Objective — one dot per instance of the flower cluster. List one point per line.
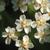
(26, 25)
(43, 5)
(22, 4)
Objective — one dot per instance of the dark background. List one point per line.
(8, 19)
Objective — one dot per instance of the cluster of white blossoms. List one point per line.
(22, 4)
(9, 34)
(26, 25)
(23, 44)
(43, 5)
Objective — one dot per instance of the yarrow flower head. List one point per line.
(23, 23)
(41, 21)
(9, 34)
(25, 44)
(44, 5)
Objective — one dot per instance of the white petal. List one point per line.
(39, 1)
(36, 35)
(25, 38)
(4, 34)
(19, 28)
(18, 43)
(48, 9)
(7, 29)
(22, 17)
(17, 21)
(12, 30)
(41, 40)
(36, 6)
(27, 30)
(23, 9)
(15, 38)
(38, 15)
(40, 29)
(21, 48)
(43, 10)
(48, 6)
(33, 24)
(7, 41)
(29, 21)
(31, 45)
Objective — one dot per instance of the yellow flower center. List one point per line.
(10, 35)
(40, 22)
(24, 23)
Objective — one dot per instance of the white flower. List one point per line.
(9, 34)
(41, 21)
(23, 8)
(22, 4)
(25, 44)
(44, 5)
(42, 37)
(39, 1)
(23, 23)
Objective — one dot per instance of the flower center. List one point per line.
(40, 22)
(10, 35)
(24, 23)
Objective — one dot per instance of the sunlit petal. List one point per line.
(19, 28)
(27, 30)
(18, 43)
(4, 34)
(33, 24)
(7, 41)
